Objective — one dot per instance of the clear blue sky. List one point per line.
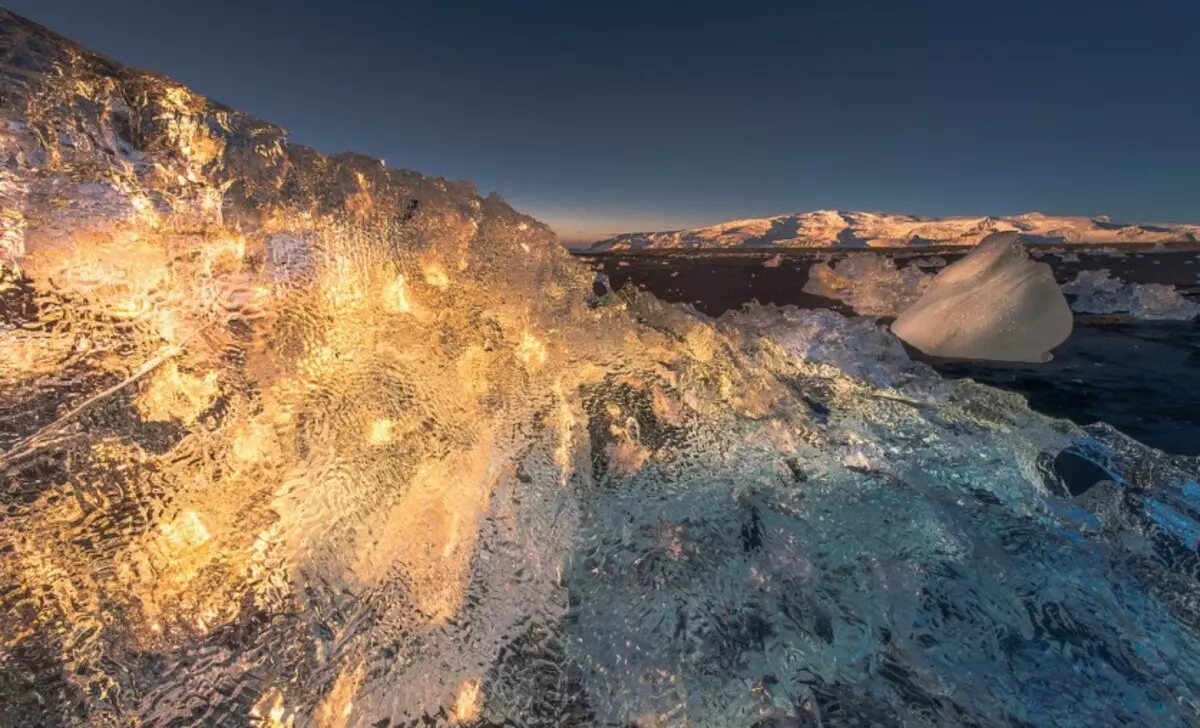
(610, 116)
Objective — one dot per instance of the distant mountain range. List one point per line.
(835, 228)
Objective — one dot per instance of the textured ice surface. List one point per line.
(993, 304)
(856, 347)
(356, 447)
(870, 284)
(1097, 293)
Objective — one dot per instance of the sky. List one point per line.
(618, 116)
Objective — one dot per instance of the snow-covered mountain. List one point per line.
(835, 228)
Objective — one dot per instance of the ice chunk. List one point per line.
(857, 347)
(993, 304)
(870, 284)
(1097, 292)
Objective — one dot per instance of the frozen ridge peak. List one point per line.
(843, 228)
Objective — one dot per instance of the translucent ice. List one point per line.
(359, 447)
(870, 284)
(856, 347)
(994, 304)
(1097, 293)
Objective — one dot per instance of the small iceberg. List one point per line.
(994, 304)
(870, 284)
(1097, 293)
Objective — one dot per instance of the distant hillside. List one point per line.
(835, 228)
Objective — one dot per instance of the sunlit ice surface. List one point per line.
(292, 440)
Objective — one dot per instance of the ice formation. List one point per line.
(856, 347)
(1097, 293)
(994, 304)
(299, 440)
(872, 285)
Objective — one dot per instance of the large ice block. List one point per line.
(994, 304)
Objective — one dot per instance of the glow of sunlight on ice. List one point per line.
(125, 269)
(431, 530)
(435, 274)
(270, 712)
(342, 287)
(170, 569)
(33, 353)
(361, 203)
(338, 706)
(381, 431)
(252, 442)
(700, 342)
(467, 702)
(395, 296)
(185, 532)
(567, 421)
(176, 395)
(531, 351)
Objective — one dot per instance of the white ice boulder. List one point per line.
(994, 304)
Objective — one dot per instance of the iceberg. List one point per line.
(994, 304)
(1096, 292)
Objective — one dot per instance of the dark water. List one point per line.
(1142, 377)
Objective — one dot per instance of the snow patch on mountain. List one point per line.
(838, 229)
